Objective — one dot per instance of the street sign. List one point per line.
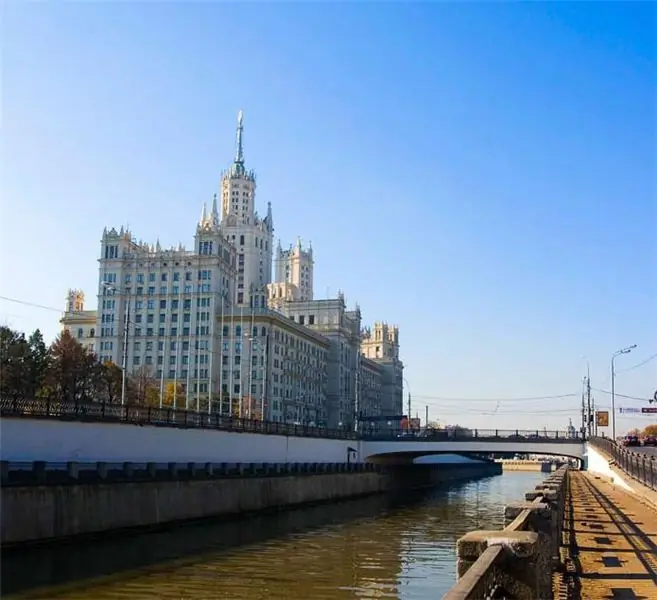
(629, 411)
(602, 417)
(650, 410)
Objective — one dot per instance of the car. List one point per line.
(650, 440)
(631, 440)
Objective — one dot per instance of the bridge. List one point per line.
(405, 449)
(69, 431)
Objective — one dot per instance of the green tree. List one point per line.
(73, 372)
(38, 364)
(15, 360)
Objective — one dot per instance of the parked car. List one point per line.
(631, 440)
(650, 440)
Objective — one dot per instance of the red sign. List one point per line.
(649, 410)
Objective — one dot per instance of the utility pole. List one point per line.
(583, 409)
(588, 404)
(409, 406)
(426, 416)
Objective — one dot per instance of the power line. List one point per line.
(523, 399)
(621, 395)
(42, 306)
(637, 366)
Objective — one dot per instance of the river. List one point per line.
(378, 547)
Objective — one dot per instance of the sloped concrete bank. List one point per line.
(42, 513)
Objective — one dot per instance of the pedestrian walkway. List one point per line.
(609, 544)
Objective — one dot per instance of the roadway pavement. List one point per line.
(650, 450)
(609, 544)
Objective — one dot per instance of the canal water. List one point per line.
(378, 547)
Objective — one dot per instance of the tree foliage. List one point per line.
(650, 430)
(64, 371)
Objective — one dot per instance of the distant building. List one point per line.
(381, 345)
(80, 323)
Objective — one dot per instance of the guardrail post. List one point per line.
(209, 469)
(101, 470)
(39, 470)
(128, 469)
(151, 469)
(72, 469)
(520, 577)
(4, 471)
(540, 522)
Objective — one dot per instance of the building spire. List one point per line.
(239, 151)
(214, 214)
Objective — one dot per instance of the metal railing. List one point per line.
(493, 563)
(169, 417)
(639, 466)
(469, 435)
(163, 417)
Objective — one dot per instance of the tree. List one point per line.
(634, 431)
(38, 364)
(173, 392)
(650, 430)
(110, 383)
(72, 372)
(14, 364)
(143, 388)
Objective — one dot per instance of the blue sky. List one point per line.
(484, 175)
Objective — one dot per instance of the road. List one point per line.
(650, 450)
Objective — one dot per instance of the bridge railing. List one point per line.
(518, 561)
(469, 435)
(164, 417)
(641, 467)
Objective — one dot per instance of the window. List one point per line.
(80, 333)
(163, 277)
(311, 319)
(241, 240)
(151, 278)
(163, 304)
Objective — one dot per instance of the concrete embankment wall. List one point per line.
(598, 463)
(49, 512)
(62, 441)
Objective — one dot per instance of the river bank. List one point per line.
(50, 513)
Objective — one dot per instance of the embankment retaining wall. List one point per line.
(49, 512)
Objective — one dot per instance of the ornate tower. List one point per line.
(241, 225)
(295, 266)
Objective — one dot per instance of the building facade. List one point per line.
(80, 323)
(162, 304)
(272, 367)
(380, 345)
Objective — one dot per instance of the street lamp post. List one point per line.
(613, 387)
(126, 331)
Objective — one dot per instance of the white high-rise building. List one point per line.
(241, 224)
(192, 320)
(158, 308)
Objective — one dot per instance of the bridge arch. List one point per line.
(405, 452)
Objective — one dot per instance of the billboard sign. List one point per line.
(630, 411)
(649, 410)
(602, 418)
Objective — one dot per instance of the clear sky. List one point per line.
(483, 175)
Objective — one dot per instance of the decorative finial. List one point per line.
(239, 155)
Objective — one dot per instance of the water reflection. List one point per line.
(374, 548)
